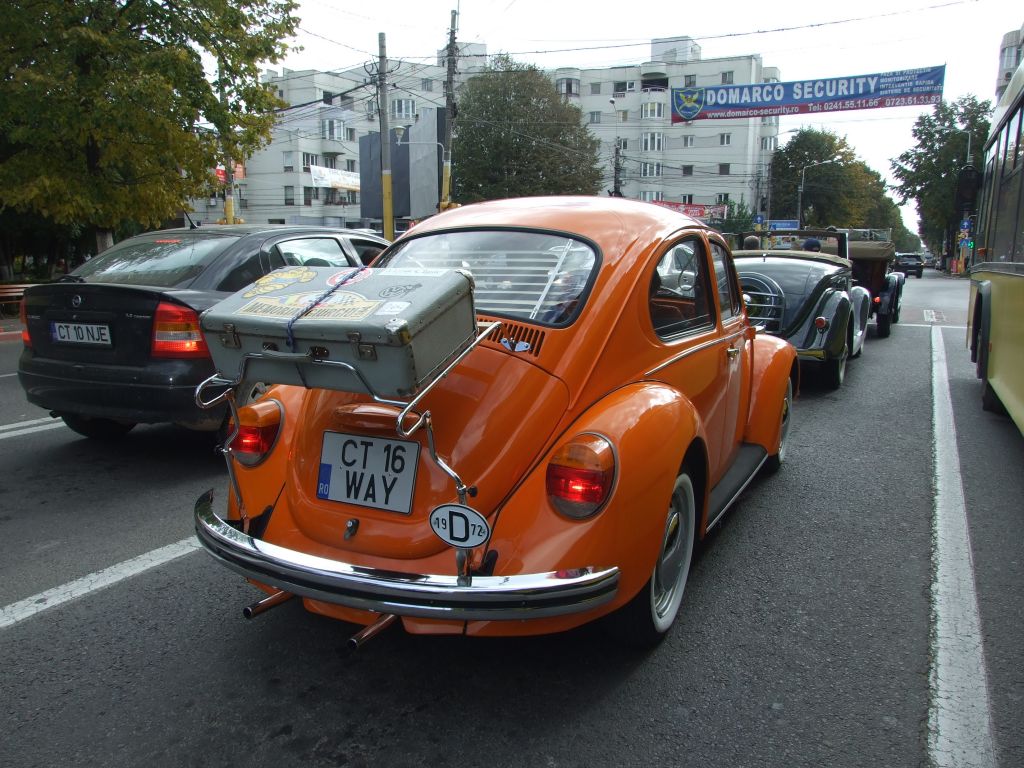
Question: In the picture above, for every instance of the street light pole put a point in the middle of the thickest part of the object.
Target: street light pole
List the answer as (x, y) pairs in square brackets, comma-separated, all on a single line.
[(800, 190), (616, 156), (964, 130)]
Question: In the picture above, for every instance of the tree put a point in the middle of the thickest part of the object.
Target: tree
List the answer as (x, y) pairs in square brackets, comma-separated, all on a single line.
[(826, 197), (107, 116), (928, 172), (738, 218), (516, 136)]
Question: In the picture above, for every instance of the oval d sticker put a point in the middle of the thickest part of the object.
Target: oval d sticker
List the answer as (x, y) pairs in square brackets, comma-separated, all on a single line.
[(459, 526)]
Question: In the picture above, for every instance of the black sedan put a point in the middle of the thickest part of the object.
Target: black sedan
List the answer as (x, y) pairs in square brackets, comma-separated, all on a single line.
[(807, 297), (117, 341)]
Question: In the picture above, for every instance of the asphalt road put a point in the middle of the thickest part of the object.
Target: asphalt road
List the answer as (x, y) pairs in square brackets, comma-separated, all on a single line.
[(805, 639)]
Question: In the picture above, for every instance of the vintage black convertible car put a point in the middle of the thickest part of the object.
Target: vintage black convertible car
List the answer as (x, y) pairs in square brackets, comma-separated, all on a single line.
[(798, 285)]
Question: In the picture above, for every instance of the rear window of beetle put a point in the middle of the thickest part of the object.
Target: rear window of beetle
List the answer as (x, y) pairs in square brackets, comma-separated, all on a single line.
[(162, 261), (535, 276)]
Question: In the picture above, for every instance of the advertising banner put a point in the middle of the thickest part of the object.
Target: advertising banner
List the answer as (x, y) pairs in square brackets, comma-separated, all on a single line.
[(696, 211), (334, 179), (904, 88)]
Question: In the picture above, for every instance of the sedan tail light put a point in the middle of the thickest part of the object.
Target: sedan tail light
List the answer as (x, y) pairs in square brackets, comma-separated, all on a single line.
[(23, 316), (176, 332), (580, 476), (259, 424)]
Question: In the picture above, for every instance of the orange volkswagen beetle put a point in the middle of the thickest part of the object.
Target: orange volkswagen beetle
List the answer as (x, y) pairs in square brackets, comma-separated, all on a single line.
[(552, 465)]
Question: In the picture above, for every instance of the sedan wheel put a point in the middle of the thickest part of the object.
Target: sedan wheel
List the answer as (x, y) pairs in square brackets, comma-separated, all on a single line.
[(835, 369), (774, 462), (97, 429), (645, 620)]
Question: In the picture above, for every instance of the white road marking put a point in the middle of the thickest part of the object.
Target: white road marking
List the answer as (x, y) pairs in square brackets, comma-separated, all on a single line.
[(5, 375), (30, 606), (20, 428), (959, 716), (931, 325)]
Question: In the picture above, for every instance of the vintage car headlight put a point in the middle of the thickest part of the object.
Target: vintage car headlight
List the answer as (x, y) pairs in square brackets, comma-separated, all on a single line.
[(580, 476), (258, 427)]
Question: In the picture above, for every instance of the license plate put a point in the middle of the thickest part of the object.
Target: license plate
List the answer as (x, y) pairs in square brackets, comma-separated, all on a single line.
[(80, 333), (368, 471)]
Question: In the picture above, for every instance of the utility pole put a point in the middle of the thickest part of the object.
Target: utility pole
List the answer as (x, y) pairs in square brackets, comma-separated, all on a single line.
[(617, 169), (449, 119), (229, 175), (385, 141)]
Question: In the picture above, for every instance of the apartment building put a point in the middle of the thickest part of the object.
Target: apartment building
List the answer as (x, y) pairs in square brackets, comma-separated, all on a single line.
[(701, 162), (1011, 53), (327, 114)]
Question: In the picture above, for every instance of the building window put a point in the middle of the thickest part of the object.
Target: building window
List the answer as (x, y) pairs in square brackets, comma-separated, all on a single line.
[(350, 134), (309, 194), (595, 117), (328, 95), (687, 170), (353, 197), (623, 115), (651, 142), (595, 89), (275, 221), (688, 140), (280, 95), (330, 161), (722, 197), (723, 169), (650, 169), (289, 196), (350, 166), (652, 109), (331, 196), (331, 129), (403, 109), (686, 199), (724, 139), (288, 159), (770, 143), (689, 81), (649, 195), (426, 84), (308, 159), (568, 86), (727, 78), (623, 144)]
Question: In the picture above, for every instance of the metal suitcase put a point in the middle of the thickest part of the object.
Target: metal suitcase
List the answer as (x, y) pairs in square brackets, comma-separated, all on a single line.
[(387, 332)]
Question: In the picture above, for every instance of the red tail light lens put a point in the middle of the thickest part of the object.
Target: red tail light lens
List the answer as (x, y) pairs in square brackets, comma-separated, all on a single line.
[(877, 299), (23, 316), (259, 426), (580, 476), (176, 332), (821, 323)]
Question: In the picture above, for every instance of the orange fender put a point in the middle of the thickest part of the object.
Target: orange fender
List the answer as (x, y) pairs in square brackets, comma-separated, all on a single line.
[(774, 366)]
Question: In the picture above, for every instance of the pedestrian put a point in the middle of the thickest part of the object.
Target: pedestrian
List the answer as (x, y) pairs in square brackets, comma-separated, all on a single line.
[(751, 243), (812, 244)]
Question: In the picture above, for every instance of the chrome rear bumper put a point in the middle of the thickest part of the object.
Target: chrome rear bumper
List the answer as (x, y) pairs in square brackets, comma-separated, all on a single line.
[(485, 598)]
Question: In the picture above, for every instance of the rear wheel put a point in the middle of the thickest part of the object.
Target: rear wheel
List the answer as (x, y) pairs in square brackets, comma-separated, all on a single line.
[(645, 620), (883, 324), (774, 462), (835, 369), (97, 429)]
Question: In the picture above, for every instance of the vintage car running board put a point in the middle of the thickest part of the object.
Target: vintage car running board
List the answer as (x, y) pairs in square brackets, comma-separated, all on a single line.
[(748, 461)]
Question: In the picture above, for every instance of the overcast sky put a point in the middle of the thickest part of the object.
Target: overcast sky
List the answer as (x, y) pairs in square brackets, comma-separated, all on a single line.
[(817, 40)]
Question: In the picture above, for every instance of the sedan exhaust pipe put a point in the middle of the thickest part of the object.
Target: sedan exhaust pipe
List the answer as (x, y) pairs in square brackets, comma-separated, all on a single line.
[(268, 602), (370, 631)]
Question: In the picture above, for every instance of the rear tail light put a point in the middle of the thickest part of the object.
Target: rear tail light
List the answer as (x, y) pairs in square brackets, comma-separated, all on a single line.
[(259, 425), (23, 316), (821, 323), (878, 299), (580, 476), (176, 332)]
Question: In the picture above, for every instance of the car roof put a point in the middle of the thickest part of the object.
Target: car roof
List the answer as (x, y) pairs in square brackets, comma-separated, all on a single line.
[(614, 224), (241, 230)]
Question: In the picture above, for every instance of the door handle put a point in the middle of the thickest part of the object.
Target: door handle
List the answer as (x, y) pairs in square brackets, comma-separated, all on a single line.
[(732, 352)]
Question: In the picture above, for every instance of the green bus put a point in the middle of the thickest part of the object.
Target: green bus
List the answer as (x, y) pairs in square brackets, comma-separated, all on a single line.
[(995, 317)]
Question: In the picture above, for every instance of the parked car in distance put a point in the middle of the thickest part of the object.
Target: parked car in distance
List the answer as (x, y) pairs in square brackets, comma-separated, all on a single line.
[(805, 293), (909, 264), (611, 404), (116, 342)]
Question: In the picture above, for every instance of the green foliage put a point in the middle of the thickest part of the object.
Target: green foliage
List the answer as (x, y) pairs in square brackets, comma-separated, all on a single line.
[(107, 115), (928, 171), (516, 136), (740, 218)]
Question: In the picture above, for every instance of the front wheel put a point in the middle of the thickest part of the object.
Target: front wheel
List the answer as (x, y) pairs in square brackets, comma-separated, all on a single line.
[(97, 429), (774, 462), (645, 620)]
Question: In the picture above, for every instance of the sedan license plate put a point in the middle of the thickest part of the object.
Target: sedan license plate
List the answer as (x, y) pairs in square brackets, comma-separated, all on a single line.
[(368, 471), (80, 333)]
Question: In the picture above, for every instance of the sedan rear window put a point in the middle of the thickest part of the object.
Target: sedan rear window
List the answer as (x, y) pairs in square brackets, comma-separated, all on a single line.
[(163, 262), (535, 276)]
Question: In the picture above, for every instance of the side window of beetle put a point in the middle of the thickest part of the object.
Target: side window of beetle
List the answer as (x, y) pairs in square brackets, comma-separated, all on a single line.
[(679, 292), (725, 280)]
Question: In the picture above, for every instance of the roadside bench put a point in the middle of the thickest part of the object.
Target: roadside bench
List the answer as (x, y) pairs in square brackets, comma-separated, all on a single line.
[(10, 297)]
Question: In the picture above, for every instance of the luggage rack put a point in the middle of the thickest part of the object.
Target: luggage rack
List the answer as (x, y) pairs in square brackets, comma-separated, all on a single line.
[(229, 388)]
